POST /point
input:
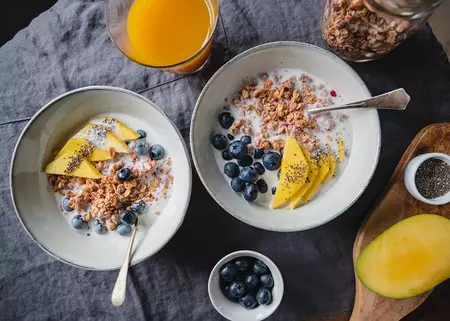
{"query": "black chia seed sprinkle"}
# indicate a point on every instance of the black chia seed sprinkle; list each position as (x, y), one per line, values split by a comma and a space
(433, 178)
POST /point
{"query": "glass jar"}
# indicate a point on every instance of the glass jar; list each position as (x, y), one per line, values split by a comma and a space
(363, 30)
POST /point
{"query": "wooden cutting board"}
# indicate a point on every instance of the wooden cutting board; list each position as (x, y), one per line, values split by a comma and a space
(397, 205)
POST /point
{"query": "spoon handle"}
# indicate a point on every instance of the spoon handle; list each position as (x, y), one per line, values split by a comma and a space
(119, 291)
(394, 100)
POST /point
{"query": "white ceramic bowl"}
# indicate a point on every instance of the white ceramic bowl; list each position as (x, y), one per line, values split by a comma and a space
(410, 178)
(35, 203)
(364, 124)
(234, 311)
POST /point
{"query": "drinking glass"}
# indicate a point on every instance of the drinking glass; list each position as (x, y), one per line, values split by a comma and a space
(117, 12)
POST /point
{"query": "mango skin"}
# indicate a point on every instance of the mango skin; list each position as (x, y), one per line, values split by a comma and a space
(408, 259)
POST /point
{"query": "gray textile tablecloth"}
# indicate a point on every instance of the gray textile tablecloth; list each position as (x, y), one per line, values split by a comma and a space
(68, 47)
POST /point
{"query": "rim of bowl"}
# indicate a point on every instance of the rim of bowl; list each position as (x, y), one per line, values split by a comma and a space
(210, 38)
(226, 66)
(410, 178)
(253, 254)
(48, 105)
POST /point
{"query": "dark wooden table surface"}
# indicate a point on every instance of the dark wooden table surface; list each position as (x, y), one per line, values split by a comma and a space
(20, 15)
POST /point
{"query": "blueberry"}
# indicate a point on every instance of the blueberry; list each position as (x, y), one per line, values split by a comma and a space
(231, 169)
(263, 296)
(246, 139)
(267, 280)
(237, 289)
(126, 203)
(124, 174)
(260, 268)
(138, 206)
(78, 223)
(237, 184)
(274, 190)
(250, 192)
(271, 161)
(99, 228)
(128, 217)
(230, 137)
(141, 147)
(219, 142)
(124, 229)
(241, 264)
(278, 174)
(262, 186)
(259, 168)
(282, 152)
(252, 281)
(228, 272)
(64, 205)
(248, 174)
(226, 155)
(259, 153)
(245, 161)
(238, 149)
(141, 133)
(157, 152)
(248, 301)
(226, 120)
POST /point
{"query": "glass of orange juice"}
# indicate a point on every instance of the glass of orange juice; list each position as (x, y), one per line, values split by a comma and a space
(174, 35)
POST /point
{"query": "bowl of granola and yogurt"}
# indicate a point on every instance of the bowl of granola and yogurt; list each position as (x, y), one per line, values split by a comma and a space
(91, 166)
(259, 153)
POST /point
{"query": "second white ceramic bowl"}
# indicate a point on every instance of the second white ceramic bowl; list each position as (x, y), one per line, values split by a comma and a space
(364, 124)
(234, 311)
(35, 203)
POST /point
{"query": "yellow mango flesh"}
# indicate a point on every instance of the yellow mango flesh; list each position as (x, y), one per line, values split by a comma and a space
(75, 144)
(294, 171)
(323, 170)
(313, 168)
(85, 168)
(409, 258)
(341, 149)
(119, 129)
(110, 141)
(332, 167)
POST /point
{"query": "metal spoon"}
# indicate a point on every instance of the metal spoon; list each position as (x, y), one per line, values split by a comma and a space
(119, 291)
(394, 100)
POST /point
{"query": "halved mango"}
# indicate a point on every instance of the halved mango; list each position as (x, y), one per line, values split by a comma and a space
(294, 171)
(313, 168)
(84, 169)
(119, 129)
(341, 149)
(75, 144)
(409, 258)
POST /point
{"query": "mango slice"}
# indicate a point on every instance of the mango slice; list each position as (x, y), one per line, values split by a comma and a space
(75, 144)
(341, 149)
(313, 169)
(323, 169)
(409, 258)
(294, 171)
(110, 140)
(119, 129)
(84, 169)
(332, 166)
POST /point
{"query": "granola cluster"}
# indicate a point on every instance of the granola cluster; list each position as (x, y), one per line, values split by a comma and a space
(356, 33)
(280, 106)
(106, 197)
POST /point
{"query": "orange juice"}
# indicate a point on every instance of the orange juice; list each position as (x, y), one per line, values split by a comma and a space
(167, 32)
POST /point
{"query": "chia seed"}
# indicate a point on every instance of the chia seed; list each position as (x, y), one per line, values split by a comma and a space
(433, 178)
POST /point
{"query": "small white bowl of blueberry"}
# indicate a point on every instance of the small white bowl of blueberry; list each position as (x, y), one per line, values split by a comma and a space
(245, 285)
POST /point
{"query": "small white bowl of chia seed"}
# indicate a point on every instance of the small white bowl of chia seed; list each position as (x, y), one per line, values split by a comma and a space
(427, 178)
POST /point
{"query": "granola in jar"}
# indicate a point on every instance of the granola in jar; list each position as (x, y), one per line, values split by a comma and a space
(356, 33)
